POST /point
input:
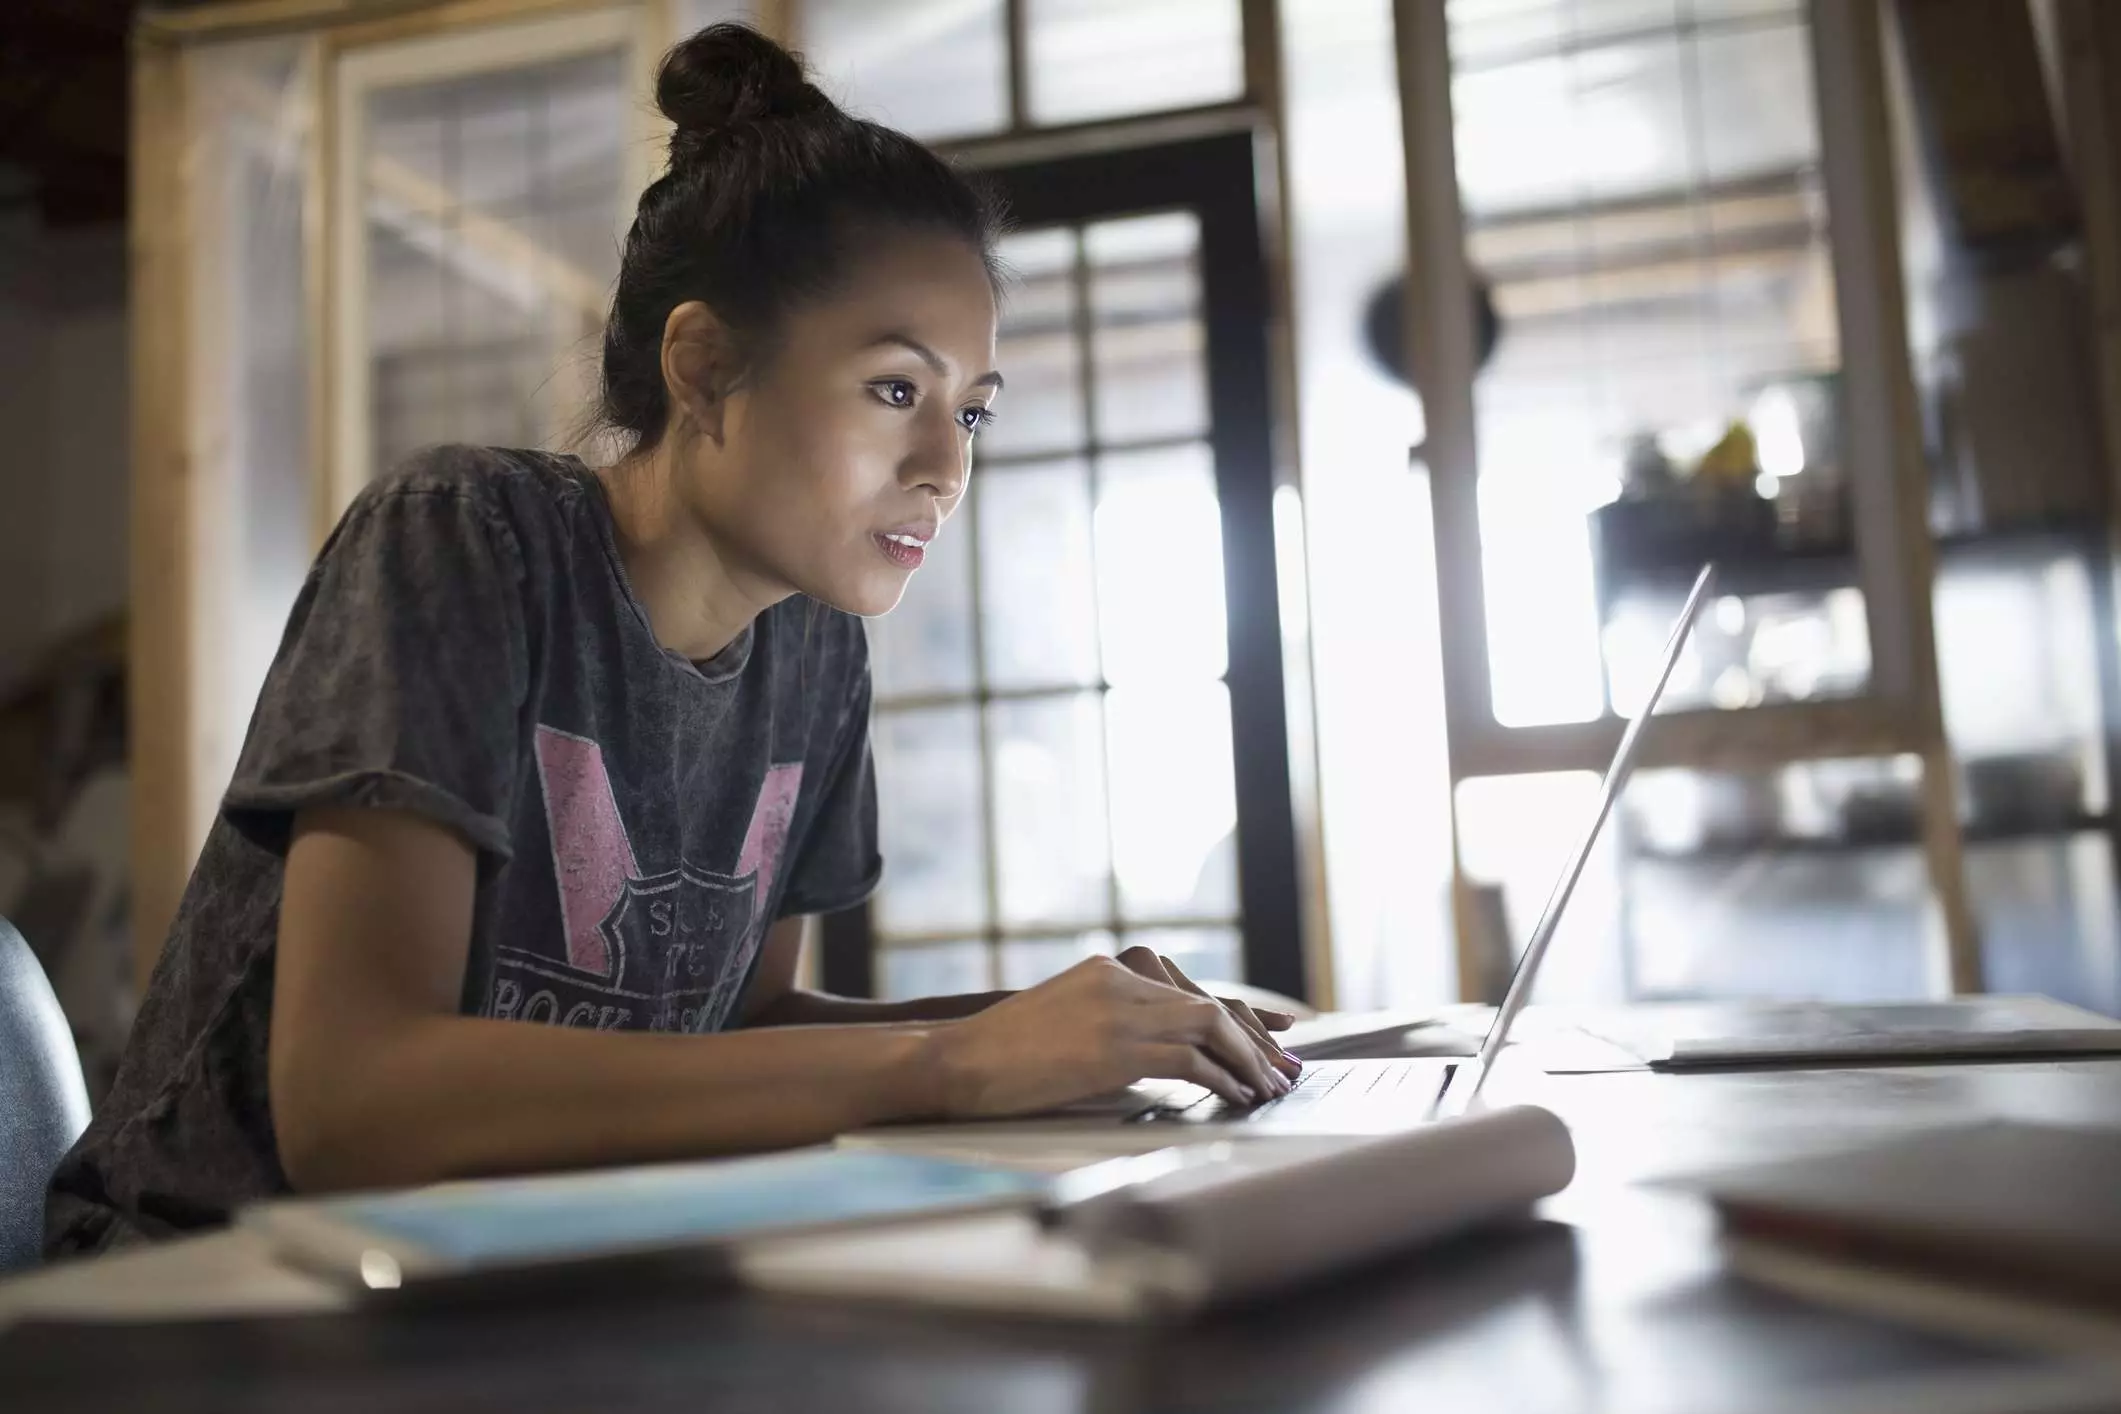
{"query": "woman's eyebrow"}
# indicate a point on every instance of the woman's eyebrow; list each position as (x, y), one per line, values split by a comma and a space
(930, 357)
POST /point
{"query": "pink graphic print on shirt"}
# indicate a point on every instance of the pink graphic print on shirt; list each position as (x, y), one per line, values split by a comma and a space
(770, 820)
(591, 857)
(593, 860)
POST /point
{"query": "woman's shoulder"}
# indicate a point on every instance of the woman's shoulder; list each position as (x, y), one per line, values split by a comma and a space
(494, 476)
(519, 495)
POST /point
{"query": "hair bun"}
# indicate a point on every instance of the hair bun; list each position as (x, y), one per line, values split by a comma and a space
(726, 76)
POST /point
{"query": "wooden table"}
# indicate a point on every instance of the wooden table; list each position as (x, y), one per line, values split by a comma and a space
(1616, 1301)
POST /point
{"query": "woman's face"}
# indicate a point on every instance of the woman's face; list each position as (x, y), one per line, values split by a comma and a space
(846, 450)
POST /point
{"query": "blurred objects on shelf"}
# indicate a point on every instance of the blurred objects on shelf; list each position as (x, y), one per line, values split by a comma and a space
(63, 719)
(1680, 529)
(2011, 407)
(1884, 810)
(1732, 465)
(1768, 490)
(2023, 792)
(1646, 473)
(64, 842)
(1679, 814)
(1750, 649)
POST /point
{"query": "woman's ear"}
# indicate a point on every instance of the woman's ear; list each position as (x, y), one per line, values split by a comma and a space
(699, 366)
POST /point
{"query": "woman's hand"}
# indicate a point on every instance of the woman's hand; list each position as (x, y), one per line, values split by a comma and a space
(1259, 1021)
(1103, 1024)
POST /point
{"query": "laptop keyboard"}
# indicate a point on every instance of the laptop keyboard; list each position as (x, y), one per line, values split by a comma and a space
(1338, 1082)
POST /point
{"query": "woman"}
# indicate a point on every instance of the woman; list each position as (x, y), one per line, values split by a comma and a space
(547, 744)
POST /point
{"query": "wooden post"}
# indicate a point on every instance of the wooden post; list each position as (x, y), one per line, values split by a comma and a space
(1889, 475)
(160, 647)
(1440, 350)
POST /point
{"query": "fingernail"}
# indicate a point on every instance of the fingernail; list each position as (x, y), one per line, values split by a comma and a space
(1290, 1055)
(1251, 1095)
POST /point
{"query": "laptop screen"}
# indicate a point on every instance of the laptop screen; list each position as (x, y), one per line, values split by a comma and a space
(1467, 1080)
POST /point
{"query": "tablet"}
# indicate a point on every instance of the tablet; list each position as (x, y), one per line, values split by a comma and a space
(387, 1239)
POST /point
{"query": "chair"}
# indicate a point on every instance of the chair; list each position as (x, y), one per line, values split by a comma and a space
(43, 1102)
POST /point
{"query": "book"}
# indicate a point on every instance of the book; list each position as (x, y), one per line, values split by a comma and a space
(2001, 1228)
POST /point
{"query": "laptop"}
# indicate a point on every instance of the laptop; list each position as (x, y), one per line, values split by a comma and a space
(1331, 1098)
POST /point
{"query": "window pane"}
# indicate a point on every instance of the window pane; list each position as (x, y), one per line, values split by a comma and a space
(1026, 962)
(1755, 92)
(1042, 409)
(1645, 209)
(493, 210)
(1160, 566)
(1204, 954)
(928, 795)
(932, 68)
(1494, 31)
(1037, 599)
(938, 970)
(1150, 356)
(1049, 810)
(1485, 32)
(925, 644)
(1101, 58)
(1598, 124)
(1174, 801)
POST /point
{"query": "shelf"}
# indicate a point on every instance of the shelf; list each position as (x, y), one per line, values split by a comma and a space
(1818, 570)
(2083, 823)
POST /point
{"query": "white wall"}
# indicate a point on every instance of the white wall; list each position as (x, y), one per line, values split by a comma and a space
(63, 461)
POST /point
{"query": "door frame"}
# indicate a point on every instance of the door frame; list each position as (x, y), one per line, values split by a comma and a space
(1217, 177)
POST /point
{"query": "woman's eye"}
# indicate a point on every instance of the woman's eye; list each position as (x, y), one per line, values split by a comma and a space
(972, 419)
(897, 392)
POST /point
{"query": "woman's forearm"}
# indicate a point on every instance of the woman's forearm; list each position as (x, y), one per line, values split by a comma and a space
(797, 1007)
(446, 1097)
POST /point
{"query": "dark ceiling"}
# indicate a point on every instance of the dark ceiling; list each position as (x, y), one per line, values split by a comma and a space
(63, 107)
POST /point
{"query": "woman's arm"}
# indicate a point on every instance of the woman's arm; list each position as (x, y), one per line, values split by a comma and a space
(375, 1079)
(773, 999)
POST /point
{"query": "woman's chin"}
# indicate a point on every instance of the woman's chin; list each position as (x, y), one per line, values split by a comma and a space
(874, 597)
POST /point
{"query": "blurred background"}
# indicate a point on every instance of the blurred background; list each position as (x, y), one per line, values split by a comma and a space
(1378, 376)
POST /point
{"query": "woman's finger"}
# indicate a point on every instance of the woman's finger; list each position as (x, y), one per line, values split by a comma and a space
(1232, 1047)
(1280, 1059)
(1183, 1062)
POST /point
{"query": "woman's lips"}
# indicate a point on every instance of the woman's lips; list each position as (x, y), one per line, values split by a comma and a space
(905, 551)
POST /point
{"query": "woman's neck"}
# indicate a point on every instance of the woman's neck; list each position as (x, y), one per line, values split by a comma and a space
(697, 600)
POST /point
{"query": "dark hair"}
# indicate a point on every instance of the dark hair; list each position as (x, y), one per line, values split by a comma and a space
(769, 183)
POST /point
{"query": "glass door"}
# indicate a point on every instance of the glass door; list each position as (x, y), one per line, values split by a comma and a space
(1080, 733)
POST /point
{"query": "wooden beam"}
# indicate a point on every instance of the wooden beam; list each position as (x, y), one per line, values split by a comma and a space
(1752, 739)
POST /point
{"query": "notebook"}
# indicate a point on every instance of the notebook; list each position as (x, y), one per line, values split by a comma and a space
(1682, 1036)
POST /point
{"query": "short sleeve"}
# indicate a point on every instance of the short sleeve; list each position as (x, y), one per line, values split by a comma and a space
(836, 863)
(398, 682)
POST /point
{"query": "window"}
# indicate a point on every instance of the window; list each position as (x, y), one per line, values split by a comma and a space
(1080, 733)
(1641, 195)
(972, 68)
(1053, 727)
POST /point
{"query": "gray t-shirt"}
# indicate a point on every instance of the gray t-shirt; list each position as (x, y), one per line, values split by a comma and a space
(467, 648)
